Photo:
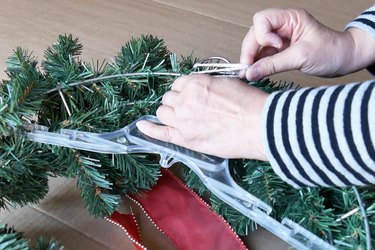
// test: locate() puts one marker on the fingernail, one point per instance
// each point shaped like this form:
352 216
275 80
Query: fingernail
242 74
276 44
255 73
141 125
275 41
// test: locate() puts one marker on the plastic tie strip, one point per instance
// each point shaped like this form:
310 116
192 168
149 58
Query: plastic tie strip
212 171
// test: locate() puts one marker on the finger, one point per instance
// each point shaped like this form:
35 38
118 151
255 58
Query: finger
266 51
179 83
269 51
266 23
166 115
263 33
279 62
170 98
249 48
184 82
160 132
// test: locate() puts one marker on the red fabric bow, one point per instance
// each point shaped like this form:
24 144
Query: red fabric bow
183 217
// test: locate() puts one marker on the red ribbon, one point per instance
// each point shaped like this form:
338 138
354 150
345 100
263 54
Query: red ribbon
184 218
129 224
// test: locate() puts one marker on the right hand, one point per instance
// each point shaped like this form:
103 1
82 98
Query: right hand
292 39
220 116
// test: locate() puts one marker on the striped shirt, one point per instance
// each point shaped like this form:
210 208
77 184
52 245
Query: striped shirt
324 136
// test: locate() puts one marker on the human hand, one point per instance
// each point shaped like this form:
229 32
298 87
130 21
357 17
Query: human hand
292 39
217 116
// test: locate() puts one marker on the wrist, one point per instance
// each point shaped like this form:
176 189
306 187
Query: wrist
360 51
262 147
257 149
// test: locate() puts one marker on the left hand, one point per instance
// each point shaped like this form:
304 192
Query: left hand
217 116
292 39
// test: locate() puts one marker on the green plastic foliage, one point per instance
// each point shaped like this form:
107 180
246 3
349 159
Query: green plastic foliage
62 64
113 101
147 52
11 240
44 244
20 96
23 172
102 106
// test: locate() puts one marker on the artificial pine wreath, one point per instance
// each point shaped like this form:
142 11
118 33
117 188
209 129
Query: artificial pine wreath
52 94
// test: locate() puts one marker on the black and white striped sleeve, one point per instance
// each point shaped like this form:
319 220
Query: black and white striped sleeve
322 136
365 21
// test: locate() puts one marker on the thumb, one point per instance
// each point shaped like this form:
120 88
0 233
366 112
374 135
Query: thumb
266 23
269 38
280 62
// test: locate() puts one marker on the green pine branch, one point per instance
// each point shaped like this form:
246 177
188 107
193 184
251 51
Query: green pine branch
23 173
241 224
10 239
107 101
13 240
44 244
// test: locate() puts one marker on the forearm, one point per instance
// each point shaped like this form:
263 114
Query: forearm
365 21
362 32
322 136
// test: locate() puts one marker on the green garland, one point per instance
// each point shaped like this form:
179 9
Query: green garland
113 102
10 239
